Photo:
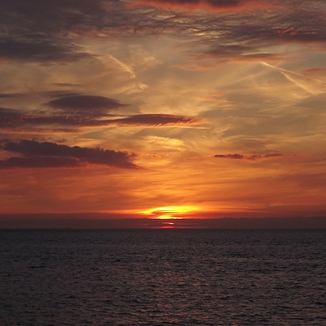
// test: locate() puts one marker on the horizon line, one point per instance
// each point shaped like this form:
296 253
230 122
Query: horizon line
57 221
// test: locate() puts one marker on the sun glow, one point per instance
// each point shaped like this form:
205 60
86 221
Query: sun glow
170 212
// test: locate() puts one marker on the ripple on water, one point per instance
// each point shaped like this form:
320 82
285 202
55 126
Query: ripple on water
163 277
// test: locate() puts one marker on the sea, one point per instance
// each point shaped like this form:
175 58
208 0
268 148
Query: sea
162 277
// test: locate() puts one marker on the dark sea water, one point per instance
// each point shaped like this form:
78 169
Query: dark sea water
163 277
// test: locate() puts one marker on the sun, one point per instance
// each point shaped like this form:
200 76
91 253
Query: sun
170 212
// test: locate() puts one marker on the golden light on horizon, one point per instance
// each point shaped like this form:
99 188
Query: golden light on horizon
232 127
170 212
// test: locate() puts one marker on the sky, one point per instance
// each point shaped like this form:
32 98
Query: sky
163 108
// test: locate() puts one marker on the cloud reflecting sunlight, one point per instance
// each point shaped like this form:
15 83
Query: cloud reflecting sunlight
163 109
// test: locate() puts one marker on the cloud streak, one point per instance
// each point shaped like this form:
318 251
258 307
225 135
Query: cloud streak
157 120
48 154
85 102
207 5
250 157
91 116
85 105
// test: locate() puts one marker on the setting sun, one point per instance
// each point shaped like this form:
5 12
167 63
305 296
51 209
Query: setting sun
152 109
170 212
162 162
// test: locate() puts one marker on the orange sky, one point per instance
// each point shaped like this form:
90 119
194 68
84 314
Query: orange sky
163 108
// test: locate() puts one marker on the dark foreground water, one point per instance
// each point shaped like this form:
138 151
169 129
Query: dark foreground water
163 277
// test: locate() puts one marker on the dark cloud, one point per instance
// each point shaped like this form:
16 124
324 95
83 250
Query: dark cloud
244 36
61 93
231 156
40 8
38 49
156 120
10 118
47 15
84 104
40 162
16 121
30 29
73 110
207 5
48 154
217 3
246 52
43 31
9 95
254 38
252 157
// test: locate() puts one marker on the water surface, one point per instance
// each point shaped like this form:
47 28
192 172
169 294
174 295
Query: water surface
163 277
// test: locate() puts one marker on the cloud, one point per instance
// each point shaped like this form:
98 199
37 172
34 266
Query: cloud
13 119
254 41
61 93
49 154
52 8
8 116
84 104
252 157
231 156
238 53
246 37
38 14
311 85
16 119
39 162
87 115
72 110
41 31
38 49
30 29
157 120
206 5
9 95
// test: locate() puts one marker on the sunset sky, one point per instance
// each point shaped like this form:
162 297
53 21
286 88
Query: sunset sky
163 108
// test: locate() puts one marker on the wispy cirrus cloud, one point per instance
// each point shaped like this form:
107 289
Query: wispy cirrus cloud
48 154
80 111
251 157
157 120
39 32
